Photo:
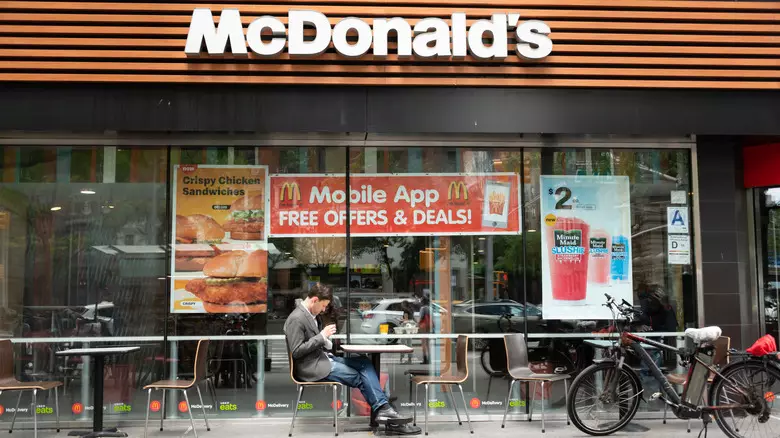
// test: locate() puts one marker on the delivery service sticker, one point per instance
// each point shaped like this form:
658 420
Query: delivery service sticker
395 204
220 233
586 243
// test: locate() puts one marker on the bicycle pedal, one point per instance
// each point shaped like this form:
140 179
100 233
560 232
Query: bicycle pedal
655 396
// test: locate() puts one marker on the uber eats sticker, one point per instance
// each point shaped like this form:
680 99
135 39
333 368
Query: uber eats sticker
227 407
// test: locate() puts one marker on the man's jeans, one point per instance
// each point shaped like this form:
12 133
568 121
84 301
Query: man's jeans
358 373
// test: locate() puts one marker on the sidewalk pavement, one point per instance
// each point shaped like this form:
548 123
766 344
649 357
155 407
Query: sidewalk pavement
320 428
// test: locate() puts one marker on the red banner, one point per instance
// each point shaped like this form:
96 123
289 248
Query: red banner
406 204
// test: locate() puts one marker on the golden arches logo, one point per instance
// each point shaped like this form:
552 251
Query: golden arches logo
292 192
458 191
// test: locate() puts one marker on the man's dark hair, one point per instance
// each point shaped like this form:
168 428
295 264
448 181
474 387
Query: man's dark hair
321 291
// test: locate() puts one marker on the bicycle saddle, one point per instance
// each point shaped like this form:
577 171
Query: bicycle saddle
702 335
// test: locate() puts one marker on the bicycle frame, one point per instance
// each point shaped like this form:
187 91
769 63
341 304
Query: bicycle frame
680 408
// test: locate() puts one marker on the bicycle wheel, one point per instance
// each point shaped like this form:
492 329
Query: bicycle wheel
505 323
586 408
484 359
762 384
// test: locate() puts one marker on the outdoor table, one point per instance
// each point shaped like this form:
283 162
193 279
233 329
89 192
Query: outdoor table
99 355
375 352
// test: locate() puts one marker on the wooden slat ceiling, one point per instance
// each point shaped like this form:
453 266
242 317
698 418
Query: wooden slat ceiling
597 43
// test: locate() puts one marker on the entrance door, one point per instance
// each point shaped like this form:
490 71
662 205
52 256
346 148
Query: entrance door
769 265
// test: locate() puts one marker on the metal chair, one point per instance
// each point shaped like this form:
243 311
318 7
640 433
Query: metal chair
461 375
519 371
201 356
720 358
9 383
301 385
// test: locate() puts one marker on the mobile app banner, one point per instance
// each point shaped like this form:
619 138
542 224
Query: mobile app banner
220 234
395 204
586 245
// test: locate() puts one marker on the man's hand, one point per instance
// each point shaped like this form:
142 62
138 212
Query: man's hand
328 331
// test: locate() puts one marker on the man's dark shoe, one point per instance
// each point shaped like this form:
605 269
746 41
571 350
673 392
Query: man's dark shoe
402 429
386 414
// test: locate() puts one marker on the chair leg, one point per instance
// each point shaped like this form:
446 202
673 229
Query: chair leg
531 401
213 391
426 409
335 409
414 408
148 402
490 382
13 420
189 409
203 408
455 406
466 407
566 389
162 409
35 413
57 407
506 406
689 425
543 383
295 411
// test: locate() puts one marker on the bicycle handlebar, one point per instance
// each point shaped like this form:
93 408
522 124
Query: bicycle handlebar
624 308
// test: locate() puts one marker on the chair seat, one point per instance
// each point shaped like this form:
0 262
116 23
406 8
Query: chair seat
521 373
322 382
15 385
677 379
445 379
417 372
170 384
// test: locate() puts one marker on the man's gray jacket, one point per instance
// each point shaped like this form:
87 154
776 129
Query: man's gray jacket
307 346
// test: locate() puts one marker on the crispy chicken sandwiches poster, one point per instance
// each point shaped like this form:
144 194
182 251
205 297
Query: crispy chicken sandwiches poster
220 235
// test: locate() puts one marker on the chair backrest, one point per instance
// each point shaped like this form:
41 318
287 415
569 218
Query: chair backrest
292 367
461 356
516 351
6 360
201 361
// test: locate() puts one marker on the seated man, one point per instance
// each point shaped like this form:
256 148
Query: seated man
309 347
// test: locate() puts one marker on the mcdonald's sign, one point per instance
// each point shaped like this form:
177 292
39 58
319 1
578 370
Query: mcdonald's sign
289 194
457 192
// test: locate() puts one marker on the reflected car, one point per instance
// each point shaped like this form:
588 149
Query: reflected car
389 311
483 317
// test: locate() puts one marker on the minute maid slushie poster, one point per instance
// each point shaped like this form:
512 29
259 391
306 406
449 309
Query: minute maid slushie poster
586 245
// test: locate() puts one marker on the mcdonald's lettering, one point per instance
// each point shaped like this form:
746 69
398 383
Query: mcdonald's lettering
455 189
293 194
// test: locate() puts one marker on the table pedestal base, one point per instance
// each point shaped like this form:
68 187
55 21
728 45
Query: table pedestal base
114 432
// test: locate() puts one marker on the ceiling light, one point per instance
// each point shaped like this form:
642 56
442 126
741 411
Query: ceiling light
87 192
56 208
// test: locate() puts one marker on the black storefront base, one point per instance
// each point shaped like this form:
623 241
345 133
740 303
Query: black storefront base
162 109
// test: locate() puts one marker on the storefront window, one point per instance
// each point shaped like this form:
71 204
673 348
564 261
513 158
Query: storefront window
83 232
104 243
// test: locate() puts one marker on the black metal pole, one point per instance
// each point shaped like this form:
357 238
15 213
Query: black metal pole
349 249
525 242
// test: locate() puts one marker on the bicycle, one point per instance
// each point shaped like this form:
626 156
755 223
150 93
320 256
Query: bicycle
735 395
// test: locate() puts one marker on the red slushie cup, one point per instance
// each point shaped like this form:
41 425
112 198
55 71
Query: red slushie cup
567 241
